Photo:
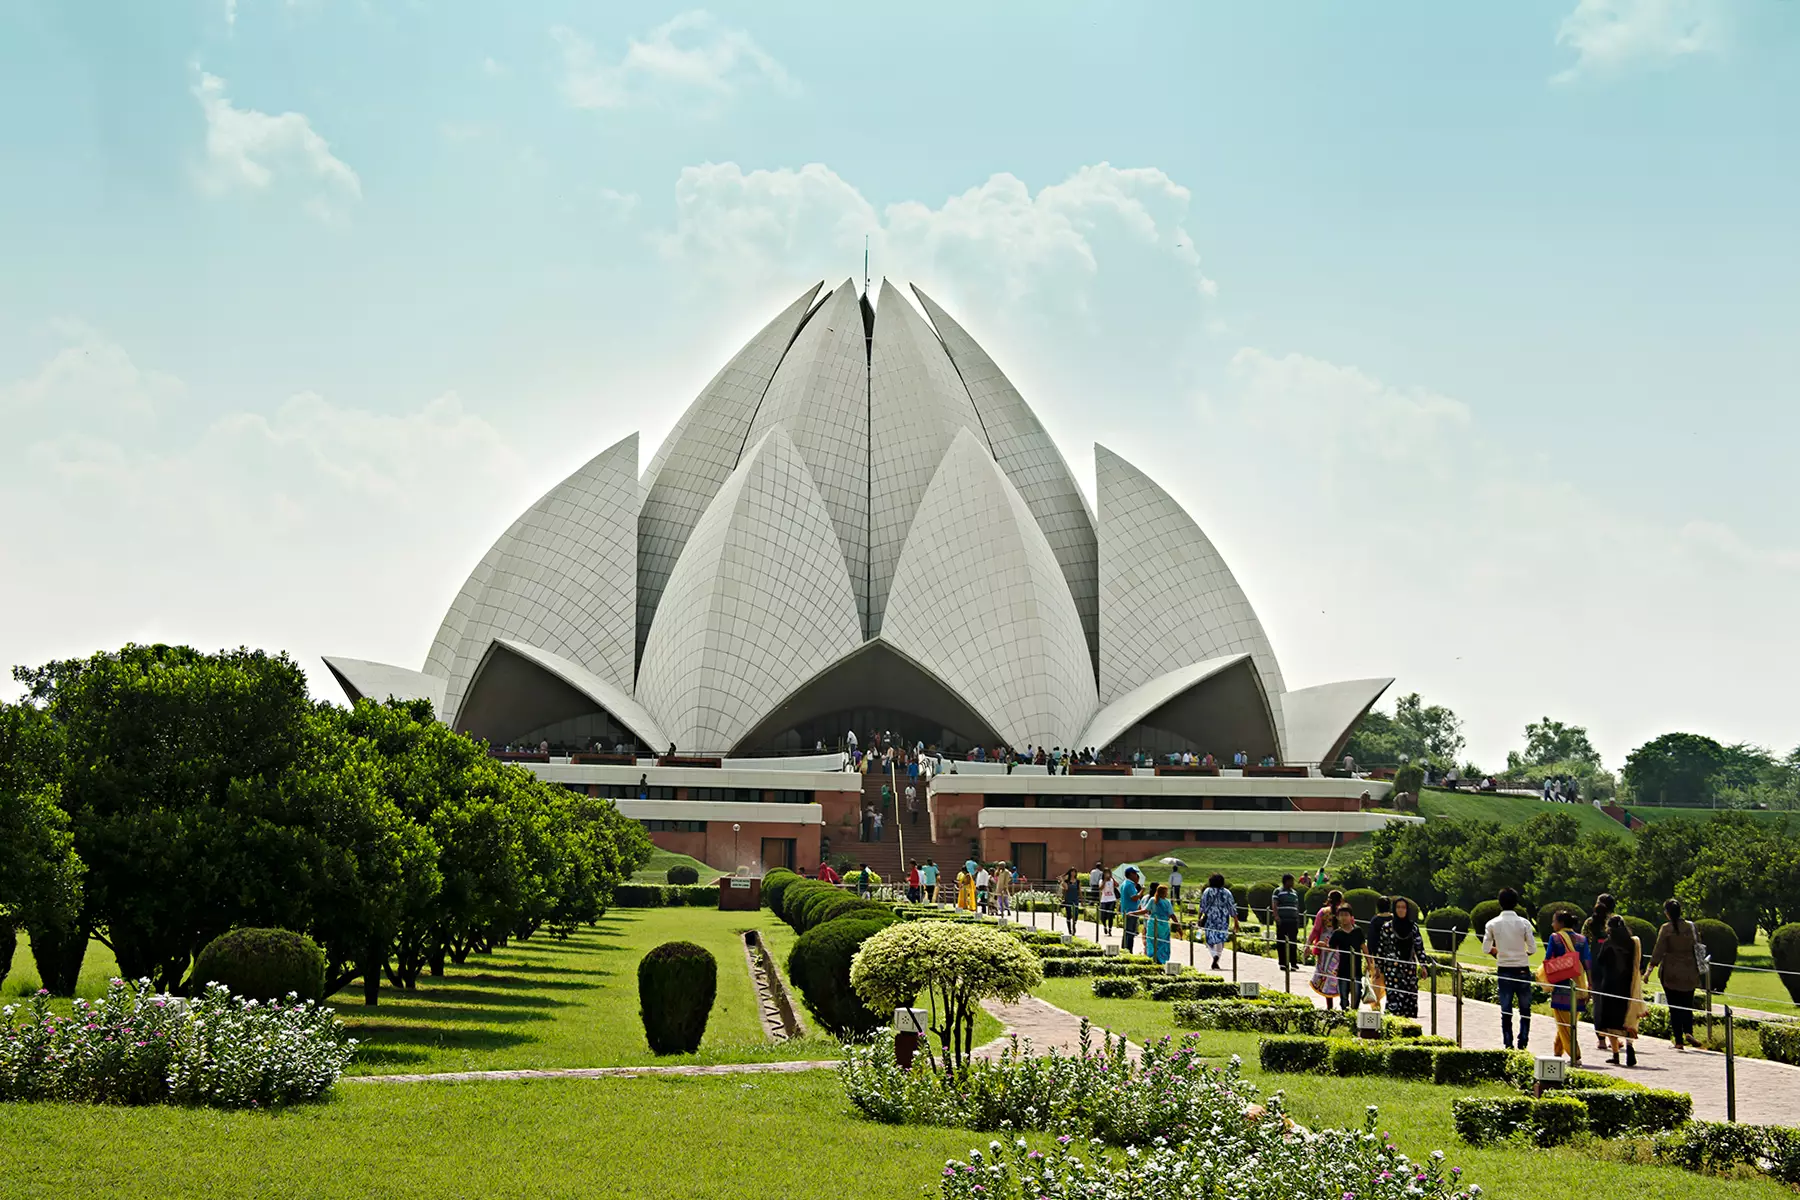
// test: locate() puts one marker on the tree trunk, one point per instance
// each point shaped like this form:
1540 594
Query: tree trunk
58 954
9 942
436 961
372 965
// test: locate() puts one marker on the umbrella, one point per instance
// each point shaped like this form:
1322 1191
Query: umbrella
1173 862
1119 871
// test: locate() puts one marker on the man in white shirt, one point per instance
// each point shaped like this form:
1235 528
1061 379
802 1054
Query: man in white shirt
1510 939
983 885
1175 882
1094 877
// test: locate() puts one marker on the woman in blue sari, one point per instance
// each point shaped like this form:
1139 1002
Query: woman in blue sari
1218 915
1159 923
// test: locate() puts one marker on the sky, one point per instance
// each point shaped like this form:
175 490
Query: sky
1470 334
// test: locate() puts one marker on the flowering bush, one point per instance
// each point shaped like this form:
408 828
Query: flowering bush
948 969
1253 1155
138 1046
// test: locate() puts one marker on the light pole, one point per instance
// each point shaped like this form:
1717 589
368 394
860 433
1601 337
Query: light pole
736 859
1078 886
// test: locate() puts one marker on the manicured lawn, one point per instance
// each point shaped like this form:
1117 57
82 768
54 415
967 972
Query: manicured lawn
657 869
1245 866
1416 1114
98 967
1512 810
790 1136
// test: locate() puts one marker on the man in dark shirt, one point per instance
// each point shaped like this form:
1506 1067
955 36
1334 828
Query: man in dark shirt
1286 905
1348 941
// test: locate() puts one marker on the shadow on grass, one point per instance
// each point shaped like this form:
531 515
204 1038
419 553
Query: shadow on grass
381 1038
455 992
427 1012
368 1055
484 979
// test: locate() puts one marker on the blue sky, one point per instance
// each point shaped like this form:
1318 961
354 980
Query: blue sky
1469 333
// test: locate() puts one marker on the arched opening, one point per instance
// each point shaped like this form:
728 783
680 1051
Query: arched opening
513 700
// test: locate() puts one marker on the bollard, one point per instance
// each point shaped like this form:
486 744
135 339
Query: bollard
1456 991
1431 974
1234 977
1730 1070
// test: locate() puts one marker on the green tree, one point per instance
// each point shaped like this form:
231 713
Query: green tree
1548 741
1744 867
1674 769
1415 731
40 873
948 968
1403 858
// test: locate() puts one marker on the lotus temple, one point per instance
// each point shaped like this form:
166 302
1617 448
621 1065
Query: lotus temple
859 525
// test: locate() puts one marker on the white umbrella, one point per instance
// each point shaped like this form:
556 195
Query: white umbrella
1173 862
1119 871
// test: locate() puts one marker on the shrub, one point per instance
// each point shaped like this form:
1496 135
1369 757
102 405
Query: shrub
1715 1146
1445 928
1362 902
135 1045
1576 916
1558 1119
819 965
681 873
1547 1122
774 885
1205 988
1409 779
1314 900
1352 1056
1115 987
947 968
1093 965
1481 914
1468 1066
262 964
1722 944
1410 1061
1781 1042
1294 1054
1260 896
1784 949
1643 931
1743 923
1401 1027
677 982
663 895
1612 1112
1257 1016
795 896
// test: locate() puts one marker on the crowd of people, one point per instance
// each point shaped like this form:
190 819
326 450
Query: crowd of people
887 752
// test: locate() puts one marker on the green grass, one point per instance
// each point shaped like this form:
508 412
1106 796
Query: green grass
1417 1115
657 869
1245 866
98 967
1512 810
1652 815
631 1139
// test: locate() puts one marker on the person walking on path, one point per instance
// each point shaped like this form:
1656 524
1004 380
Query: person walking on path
1398 950
1003 884
965 890
1568 995
928 878
875 822
1509 938
1384 914
862 881
984 885
1322 923
912 802
1109 902
1284 904
1159 922
1094 878
915 882
1071 897
1618 989
1594 930
1175 882
1218 915
1348 943
1678 955
1130 903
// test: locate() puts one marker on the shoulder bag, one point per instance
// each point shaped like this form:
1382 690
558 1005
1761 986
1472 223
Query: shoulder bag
1564 966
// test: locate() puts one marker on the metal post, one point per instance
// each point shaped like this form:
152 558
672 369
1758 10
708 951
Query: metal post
1234 938
1730 1070
1456 989
1431 973
1709 1009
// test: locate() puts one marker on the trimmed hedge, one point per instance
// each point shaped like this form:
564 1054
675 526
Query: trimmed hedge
1644 932
1550 1121
1781 1042
1362 902
1445 929
1295 1055
677 983
1455 1066
1256 1016
1204 988
1115 987
1784 949
1069 968
1410 1061
1353 1056
1481 914
1576 914
262 964
1616 1111
665 895
1722 944
1720 1148
1315 899
774 884
1260 897
819 965
681 873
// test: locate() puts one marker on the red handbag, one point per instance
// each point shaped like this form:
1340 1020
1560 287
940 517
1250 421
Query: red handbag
1564 966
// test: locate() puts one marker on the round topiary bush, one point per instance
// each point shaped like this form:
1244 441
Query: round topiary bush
677 982
775 883
1446 928
1744 925
1362 902
828 905
262 964
1722 944
819 965
1481 914
1315 898
1261 897
1576 915
795 897
1644 932
1784 949
682 874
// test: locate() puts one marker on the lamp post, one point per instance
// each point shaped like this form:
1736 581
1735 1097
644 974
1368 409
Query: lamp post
736 859
1084 834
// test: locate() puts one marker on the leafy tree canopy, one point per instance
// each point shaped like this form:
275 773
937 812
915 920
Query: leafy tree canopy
1416 731
1548 741
1674 769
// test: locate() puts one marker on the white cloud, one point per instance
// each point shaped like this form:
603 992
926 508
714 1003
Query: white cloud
247 150
86 379
1608 35
690 58
494 68
996 243
231 14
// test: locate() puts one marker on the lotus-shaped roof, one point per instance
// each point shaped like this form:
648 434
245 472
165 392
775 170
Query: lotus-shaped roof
859 523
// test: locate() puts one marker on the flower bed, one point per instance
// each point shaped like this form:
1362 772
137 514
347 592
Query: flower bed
137 1046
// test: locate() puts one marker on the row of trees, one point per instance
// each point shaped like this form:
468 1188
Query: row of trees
1675 769
156 797
1731 867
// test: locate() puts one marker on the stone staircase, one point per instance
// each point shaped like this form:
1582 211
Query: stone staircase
883 857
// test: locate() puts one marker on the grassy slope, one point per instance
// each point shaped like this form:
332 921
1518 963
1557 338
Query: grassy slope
1416 1114
1511 810
657 869
1653 815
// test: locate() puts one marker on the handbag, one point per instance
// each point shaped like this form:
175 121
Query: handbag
1564 966
1702 956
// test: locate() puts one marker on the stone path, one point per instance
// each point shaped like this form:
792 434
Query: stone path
769 1068
1767 1092
1044 1025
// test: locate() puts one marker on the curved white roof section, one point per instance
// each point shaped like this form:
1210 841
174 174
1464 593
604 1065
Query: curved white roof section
820 395
1166 595
758 604
701 452
1320 719
917 406
998 625
362 679
563 578
1032 461
1121 714
627 711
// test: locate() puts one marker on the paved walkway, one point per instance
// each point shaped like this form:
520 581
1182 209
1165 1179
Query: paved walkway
1767 1092
768 1068
1044 1025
